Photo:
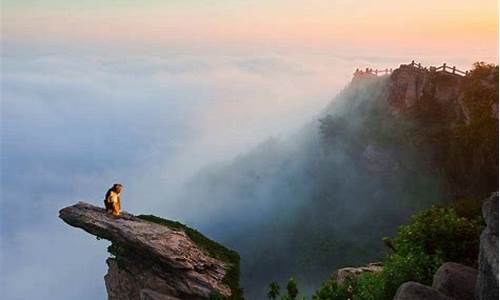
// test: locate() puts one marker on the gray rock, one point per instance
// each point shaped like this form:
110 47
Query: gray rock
416 291
341 274
455 281
156 258
487 279
411 86
147 294
132 279
490 213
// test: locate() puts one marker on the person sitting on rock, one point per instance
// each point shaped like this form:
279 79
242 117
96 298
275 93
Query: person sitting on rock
112 200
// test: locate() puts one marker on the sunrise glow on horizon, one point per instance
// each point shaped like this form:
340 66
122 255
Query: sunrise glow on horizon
378 27
308 137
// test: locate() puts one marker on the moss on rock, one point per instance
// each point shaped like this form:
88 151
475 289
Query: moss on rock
212 248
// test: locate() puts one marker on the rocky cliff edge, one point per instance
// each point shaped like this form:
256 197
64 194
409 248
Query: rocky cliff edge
155 258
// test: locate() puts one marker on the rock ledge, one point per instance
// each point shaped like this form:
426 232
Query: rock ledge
152 261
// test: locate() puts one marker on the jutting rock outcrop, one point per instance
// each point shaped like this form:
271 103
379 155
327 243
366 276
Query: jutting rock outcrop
156 258
342 274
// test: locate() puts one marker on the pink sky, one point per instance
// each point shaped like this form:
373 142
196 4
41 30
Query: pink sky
358 28
194 82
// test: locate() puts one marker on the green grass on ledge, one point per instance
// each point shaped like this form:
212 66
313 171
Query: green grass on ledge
212 248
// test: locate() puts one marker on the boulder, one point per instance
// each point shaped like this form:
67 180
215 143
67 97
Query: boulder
487 279
341 274
415 291
152 261
455 281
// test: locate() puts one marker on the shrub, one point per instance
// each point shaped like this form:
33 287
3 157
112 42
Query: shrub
441 232
292 289
274 291
432 237
332 290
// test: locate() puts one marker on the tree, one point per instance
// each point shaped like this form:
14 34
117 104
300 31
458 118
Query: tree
292 289
274 291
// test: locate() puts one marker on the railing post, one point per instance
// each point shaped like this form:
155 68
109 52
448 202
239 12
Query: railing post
444 67
454 68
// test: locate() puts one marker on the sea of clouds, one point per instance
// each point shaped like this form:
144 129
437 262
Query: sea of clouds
75 122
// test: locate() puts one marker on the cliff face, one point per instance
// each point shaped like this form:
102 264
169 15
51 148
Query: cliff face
456 123
411 87
450 120
384 148
487 281
152 261
414 89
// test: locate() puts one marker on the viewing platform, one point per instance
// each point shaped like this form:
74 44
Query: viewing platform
444 68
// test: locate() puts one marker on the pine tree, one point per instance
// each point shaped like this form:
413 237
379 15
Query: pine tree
274 291
292 288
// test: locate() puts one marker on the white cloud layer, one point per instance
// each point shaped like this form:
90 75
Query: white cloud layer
74 123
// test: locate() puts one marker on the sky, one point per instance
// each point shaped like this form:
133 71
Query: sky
430 28
149 92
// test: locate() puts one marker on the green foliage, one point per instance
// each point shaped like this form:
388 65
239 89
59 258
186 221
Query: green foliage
212 248
369 286
332 290
433 236
441 232
274 291
389 243
292 289
414 266
466 151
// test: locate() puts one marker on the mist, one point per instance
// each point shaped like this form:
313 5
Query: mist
229 116
75 122
321 198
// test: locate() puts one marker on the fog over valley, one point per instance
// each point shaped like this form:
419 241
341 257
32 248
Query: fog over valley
236 118
73 123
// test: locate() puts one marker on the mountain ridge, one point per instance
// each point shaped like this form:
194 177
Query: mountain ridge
384 148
